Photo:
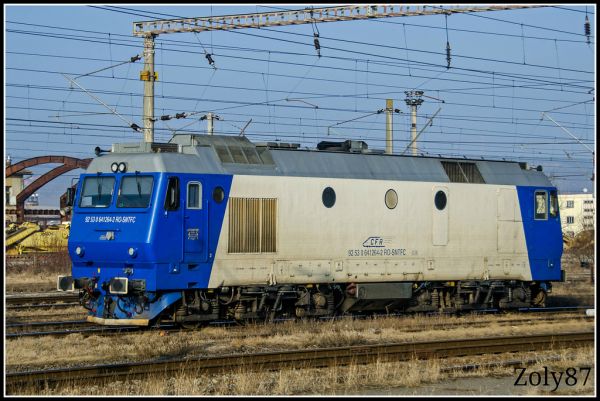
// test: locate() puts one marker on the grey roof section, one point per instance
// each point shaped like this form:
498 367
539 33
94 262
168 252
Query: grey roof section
198 162
199 154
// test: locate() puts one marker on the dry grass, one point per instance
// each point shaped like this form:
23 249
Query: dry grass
348 380
577 288
36 269
46 352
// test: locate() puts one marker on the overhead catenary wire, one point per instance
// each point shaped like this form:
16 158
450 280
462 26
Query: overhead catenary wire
100 40
549 83
103 127
133 125
371 44
367 95
132 59
478 118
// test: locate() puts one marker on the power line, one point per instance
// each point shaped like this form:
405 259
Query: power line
373 84
423 116
519 77
383 46
193 44
318 95
103 127
478 32
445 116
238 102
527 25
570 9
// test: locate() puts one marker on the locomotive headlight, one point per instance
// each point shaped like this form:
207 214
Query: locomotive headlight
118 285
79 251
65 283
114 167
132 252
122 167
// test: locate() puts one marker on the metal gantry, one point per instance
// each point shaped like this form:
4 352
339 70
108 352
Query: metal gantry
150 29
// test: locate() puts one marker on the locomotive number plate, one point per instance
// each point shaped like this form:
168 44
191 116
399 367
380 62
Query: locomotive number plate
192 233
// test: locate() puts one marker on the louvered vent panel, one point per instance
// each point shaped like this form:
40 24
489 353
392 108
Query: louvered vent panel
252 225
463 172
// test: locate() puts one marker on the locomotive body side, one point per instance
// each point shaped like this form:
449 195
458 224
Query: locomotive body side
482 233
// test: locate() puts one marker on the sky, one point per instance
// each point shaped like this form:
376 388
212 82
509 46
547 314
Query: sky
506 69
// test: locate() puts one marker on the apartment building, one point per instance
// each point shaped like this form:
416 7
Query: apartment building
577 212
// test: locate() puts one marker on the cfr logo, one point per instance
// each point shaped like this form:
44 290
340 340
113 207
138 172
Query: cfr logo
373 242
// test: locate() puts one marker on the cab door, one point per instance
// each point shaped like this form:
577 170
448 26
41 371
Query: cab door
195 226
543 235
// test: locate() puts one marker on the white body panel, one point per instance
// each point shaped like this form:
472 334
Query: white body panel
479 235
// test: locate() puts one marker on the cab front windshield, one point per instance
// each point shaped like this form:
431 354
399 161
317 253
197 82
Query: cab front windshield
135 191
97 191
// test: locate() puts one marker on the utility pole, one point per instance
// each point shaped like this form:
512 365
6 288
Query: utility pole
210 117
150 29
427 124
148 76
413 99
389 129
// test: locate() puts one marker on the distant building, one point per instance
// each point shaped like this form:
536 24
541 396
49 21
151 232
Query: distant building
14 184
577 212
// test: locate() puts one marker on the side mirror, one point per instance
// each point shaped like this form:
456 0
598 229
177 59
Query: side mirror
70 196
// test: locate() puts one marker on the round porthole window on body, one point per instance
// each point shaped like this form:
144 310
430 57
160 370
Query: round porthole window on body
440 200
328 197
218 194
391 199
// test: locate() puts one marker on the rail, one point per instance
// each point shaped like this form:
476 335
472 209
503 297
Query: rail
312 358
63 328
29 299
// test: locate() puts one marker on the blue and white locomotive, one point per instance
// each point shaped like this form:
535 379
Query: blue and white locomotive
210 227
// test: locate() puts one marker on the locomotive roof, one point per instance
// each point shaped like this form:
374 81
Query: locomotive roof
219 154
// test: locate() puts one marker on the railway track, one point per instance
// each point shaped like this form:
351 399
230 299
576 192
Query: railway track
41 300
33 298
312 358
14 318
42 306
29 287
62 328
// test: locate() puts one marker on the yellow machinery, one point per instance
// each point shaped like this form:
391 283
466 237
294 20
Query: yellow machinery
29 237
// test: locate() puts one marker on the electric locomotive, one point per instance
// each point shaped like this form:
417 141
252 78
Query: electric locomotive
209 227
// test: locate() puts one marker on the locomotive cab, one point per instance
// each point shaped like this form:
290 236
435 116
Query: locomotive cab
137 233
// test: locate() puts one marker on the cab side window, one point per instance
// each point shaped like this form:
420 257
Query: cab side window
172 198
194 195
553 204
541 200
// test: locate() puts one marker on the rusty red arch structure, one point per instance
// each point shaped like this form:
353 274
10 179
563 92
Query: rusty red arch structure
67 164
